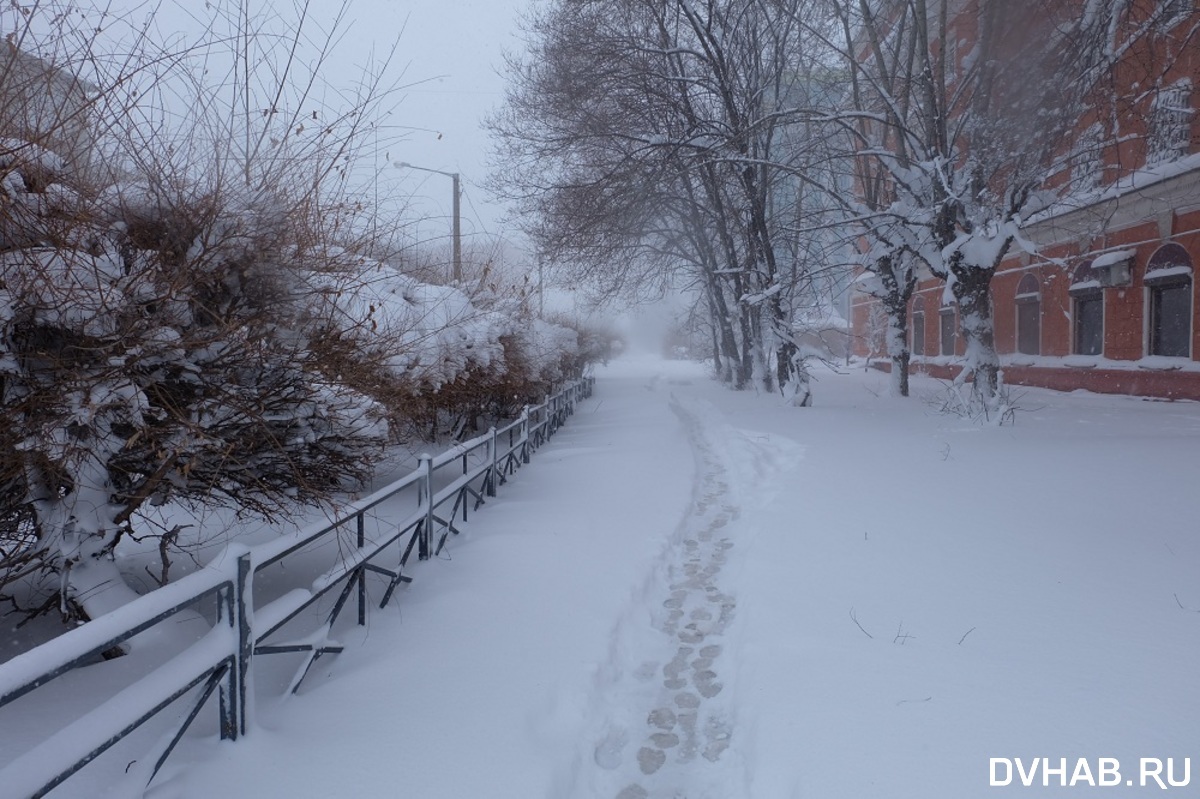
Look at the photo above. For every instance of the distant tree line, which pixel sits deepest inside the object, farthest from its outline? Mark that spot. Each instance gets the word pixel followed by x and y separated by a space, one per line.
pixel 760 151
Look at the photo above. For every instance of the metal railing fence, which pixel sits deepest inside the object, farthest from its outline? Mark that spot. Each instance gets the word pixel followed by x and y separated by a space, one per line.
pixel 221 661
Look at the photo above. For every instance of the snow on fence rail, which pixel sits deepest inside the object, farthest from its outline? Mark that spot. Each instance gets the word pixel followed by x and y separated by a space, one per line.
pixel 220 662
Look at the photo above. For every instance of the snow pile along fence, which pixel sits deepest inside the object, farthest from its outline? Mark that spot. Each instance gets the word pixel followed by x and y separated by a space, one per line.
pixel 222 661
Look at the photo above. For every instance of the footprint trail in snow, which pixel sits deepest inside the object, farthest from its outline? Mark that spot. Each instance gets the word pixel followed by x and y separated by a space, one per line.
pixel 668 720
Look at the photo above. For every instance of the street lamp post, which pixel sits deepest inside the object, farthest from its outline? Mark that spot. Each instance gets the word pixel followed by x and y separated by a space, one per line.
pixel 457 233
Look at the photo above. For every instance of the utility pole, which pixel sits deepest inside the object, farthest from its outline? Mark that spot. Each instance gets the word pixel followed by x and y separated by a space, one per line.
pixel 457 211
pixel 458 275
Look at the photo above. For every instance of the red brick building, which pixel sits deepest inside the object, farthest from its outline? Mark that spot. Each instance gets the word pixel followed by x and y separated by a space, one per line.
pixel 1110 302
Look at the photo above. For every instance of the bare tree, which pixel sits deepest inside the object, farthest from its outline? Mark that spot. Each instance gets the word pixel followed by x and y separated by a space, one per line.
pixel 959 114
pixel 645 137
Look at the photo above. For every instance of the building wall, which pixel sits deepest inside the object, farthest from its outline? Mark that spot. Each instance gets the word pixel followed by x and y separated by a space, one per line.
pixel 1125 366
pixel 1132 209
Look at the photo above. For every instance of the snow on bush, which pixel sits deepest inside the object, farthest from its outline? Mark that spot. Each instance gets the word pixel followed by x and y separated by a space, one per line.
pixel 176 330
pixel 548 348
pixel 431 353
pixel 148 355
pixel 425 336
pixel 166 343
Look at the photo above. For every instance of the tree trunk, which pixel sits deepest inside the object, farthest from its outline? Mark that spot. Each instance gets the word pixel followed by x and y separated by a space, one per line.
pixel 900 371
pixel 791 375
pixel 784 366
pixel 760 329
pixel 718 321
pixel 899 280
pixel 724 339
pixel 971 289
pixel 897 344
pixel 744 372
pixel 718 367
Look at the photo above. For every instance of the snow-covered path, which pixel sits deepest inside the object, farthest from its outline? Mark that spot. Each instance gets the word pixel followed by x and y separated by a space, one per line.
pixel 694 593
pixel 491 659
pixel 664 724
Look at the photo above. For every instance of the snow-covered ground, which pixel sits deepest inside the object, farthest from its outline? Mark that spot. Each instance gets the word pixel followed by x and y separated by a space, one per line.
pixel 693 592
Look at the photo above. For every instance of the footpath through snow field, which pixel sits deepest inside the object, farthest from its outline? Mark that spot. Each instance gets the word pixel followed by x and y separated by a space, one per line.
pixel 698 593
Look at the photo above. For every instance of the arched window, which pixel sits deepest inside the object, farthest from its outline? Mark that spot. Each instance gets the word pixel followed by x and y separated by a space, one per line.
pixel 1169 286
pixel 1029 316
pixel 918 326
pixel 948 327
pixel 1087 311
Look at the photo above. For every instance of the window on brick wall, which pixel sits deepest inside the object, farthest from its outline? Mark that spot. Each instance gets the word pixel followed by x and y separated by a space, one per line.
pixel 1029 316
pixel 951 52
pixel 1087 312
pixel 1087 158
pixel 1170 131
pixel 948 327
pixel 1169 302
pixel 918 326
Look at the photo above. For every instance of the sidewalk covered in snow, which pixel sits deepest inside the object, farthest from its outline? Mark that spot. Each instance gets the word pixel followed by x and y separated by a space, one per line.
pixel 702 593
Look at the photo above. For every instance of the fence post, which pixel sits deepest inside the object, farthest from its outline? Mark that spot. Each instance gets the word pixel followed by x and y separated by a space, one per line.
pixel 362 572
pixel 425 495
pixel 525 435
pixel 236 609
pixel 492 457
